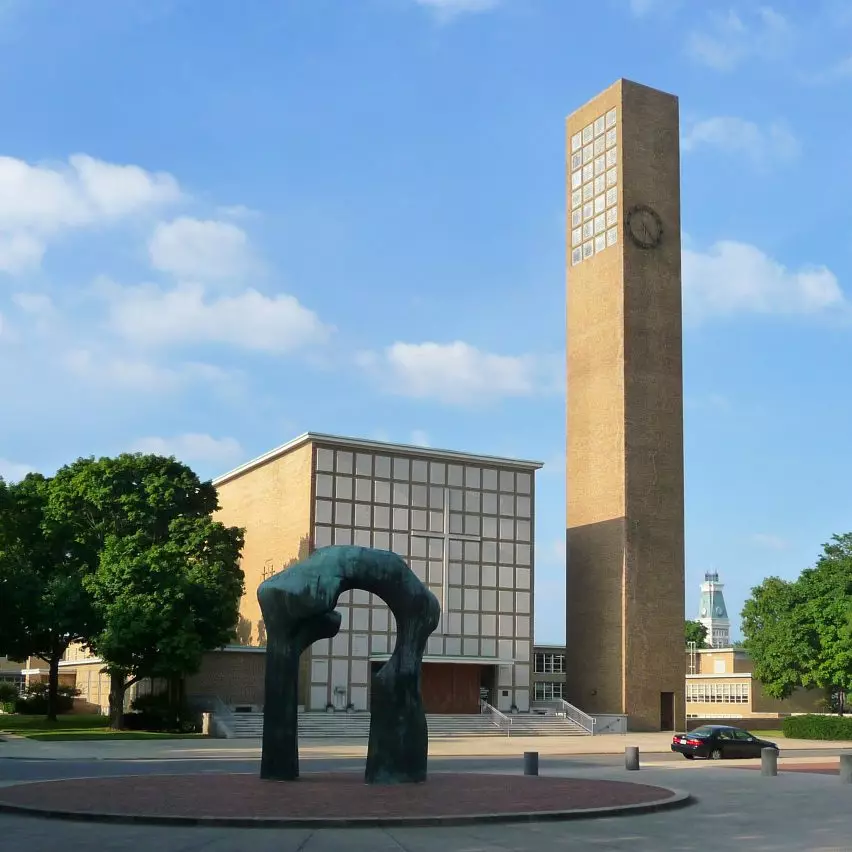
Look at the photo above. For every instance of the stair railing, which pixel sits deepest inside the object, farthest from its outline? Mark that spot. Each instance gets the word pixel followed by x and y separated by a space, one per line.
pixel 501 720
pixel 575 714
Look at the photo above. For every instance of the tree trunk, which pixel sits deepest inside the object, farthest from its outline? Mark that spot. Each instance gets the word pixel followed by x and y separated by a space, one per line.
pixel 53 686
pixel 117 688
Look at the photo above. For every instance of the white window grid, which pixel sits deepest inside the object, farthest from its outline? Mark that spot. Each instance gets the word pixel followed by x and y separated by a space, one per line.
pixel 594 175
pixel 717 693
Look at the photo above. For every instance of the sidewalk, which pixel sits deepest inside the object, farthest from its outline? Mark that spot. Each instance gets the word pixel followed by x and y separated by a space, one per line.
pixel 249 749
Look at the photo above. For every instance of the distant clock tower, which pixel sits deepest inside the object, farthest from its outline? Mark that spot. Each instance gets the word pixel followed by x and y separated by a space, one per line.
pixel 713 613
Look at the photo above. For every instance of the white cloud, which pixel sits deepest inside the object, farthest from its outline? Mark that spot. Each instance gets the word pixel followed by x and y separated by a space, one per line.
pixel 19 251
pixel 728 40
pixel 734 277
pixel 458 373
pixel 193 447
pixel 14 471
pixel 738 136
pixel 104 370
pixel 446 10
pixel 198 249
pixel 771 542
pixel 44 199
pixel 38 201
pixel 149 316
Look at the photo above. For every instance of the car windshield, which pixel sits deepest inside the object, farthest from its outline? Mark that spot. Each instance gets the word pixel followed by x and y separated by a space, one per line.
pixel 703 731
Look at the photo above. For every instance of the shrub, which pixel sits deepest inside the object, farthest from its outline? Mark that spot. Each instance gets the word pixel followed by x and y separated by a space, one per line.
pixel 9 692
pixel 156 713
pixel 33 701
pixel 818 727
pixel 151 713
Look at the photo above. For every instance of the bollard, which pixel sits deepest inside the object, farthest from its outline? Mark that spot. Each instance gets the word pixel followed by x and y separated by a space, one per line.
pixel 769 762
pixel 846 768
pixel 530 763
pixel 631 757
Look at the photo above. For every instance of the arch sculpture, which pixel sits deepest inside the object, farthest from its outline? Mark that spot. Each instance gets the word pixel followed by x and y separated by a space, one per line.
pixel 298 609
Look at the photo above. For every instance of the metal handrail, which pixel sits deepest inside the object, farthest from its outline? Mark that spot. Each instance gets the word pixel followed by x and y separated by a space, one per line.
pixel 584 720
pixel 502 717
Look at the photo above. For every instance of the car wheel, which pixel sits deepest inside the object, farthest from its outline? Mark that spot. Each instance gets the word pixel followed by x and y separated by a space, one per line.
pixel 716 754
pixel 689 756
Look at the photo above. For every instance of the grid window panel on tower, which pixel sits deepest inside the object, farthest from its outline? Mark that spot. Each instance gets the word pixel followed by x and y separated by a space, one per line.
pixel 593 161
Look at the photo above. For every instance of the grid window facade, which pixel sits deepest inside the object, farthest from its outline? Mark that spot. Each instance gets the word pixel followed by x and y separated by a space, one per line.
pixel 717 693
pixel 466 530
pixel 545 690
pixel 546 663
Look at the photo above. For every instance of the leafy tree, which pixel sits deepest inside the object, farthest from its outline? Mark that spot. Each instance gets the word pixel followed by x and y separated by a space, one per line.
pixel 827 590
pixel 44 606
pixel 799 633
pixel 774 638
pixel 696 632
pixel 164 577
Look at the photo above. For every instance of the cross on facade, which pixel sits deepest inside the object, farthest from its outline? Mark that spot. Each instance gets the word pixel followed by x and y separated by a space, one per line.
pixel 446 537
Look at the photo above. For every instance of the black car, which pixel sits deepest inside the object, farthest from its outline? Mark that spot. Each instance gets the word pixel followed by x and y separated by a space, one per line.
pixel 718 741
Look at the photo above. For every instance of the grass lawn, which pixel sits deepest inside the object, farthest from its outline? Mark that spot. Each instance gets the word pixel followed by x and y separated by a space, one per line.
pixel 76 728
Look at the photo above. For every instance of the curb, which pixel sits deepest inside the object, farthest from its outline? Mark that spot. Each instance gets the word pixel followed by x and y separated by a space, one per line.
pixel 677 799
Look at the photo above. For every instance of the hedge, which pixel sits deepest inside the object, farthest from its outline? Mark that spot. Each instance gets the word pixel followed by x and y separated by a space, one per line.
pixel 818 727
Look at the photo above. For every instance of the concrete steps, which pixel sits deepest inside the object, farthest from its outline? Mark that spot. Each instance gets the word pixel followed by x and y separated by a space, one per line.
pixel 536 725
pixel 357 726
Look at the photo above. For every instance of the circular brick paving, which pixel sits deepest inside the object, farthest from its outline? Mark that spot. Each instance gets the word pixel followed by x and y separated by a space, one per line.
pixel 332 799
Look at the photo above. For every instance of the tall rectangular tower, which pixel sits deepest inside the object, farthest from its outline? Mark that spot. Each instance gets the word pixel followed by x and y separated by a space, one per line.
pixel 625 555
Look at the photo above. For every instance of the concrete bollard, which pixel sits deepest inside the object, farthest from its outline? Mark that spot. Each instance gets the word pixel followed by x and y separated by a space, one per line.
pixel 530 763
pixel 768 762
pixel 631 757
pixel 846 768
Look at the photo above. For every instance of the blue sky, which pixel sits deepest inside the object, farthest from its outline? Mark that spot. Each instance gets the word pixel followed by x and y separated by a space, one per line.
pixel 223 224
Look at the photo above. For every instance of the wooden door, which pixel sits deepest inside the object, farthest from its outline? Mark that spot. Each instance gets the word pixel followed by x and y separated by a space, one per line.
pixel 450 687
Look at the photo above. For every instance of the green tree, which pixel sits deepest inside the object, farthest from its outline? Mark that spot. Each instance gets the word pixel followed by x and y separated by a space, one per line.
pixel 164 577
pixel 696 632
pixel 774 636
pixel 826 590
pixel 798 633
pixel 44 606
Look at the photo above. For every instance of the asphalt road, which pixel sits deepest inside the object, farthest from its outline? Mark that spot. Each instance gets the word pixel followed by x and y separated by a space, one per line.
pixel 36 770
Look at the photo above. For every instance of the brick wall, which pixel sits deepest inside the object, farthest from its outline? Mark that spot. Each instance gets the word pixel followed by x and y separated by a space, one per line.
pixel 235 676
pixel 272 502
pixel 625 572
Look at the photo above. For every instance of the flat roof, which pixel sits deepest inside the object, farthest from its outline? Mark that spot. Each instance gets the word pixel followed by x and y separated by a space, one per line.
pixel 375 446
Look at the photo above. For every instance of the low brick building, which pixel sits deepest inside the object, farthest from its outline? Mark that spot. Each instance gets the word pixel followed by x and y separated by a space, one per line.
pixel 720 684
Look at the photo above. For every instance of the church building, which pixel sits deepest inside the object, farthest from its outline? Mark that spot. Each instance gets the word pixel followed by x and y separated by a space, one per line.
pixel 465 525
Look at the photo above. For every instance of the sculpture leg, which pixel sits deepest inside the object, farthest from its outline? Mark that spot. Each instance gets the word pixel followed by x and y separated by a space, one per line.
pixel 399 741
pixel 280 759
